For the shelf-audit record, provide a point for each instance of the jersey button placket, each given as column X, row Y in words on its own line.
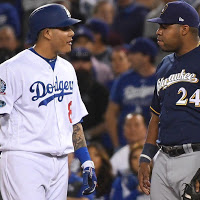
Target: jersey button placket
column 57, row 109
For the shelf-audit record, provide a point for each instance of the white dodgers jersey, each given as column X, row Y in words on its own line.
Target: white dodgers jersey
column 39, row 105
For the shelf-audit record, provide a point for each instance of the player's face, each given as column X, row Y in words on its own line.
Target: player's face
column 169, row 37
column 134, row 128
column 61, row 40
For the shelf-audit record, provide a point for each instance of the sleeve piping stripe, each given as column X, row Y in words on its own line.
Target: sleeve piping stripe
column 145, row 156
column 154, row 111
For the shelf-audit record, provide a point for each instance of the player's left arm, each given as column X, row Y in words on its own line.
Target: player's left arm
column 81, row 152
column 78, row 137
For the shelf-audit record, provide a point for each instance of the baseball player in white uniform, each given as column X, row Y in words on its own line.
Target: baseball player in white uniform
column 41, row 113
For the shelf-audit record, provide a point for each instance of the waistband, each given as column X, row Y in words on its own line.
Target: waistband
column 178, row 150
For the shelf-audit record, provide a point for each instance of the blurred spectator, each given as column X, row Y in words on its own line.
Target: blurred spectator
column 133, row 90
column 8, row 39
column 150, row 4
column 104, row 10
column 101, row 50
column 75, row 10
column 87, row 7
column 119, row 63
column 65, row 3
column 196, row 5
column 5, row 54
column 129, row 20
column 149, row 28
column 134, row 132
column 103, row 171
column 94, row 95
column 9, row 16
column 84, row 38
column 126, row 186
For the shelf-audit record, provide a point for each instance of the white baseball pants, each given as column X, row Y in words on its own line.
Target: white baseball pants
column 33, row 176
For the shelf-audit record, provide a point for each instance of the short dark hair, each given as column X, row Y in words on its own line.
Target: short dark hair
column 194, row 31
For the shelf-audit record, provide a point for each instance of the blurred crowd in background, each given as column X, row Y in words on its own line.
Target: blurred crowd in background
column 115, row 55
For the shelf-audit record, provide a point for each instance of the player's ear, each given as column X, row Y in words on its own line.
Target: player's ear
column 185, row 29
column 47, row 33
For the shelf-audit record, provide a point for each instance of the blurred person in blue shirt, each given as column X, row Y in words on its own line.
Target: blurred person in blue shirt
column 133, row 90
column 126, row 186
column 119, row 63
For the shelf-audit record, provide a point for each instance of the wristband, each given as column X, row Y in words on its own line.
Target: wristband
column 82, row 154
column 88, row 163
column 148, row 152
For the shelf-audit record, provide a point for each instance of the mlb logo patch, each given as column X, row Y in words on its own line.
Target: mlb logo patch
column 2, row 87
column 2, row 104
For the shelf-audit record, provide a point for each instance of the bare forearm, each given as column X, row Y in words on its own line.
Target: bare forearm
column 152, row 134
column 78, row 137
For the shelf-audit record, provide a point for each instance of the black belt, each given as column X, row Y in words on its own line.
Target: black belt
column 174, row 151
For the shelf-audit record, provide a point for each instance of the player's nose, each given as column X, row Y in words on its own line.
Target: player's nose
column 159, row 31
column 71, row 33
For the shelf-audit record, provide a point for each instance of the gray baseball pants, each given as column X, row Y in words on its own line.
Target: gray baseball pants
column 171, row 173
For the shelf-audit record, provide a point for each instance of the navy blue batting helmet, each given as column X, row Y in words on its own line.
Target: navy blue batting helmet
column 49, row 16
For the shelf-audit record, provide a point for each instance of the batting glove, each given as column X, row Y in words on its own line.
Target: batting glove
column 89, row 180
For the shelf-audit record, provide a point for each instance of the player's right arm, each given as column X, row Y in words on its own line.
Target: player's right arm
column 144, row 167
column 111, row 122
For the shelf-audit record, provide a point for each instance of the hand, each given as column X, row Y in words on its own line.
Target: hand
column 89, row 180
column 143, row 176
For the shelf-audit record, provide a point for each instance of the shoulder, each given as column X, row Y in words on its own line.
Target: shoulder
column 166, row 62
column 17, row 61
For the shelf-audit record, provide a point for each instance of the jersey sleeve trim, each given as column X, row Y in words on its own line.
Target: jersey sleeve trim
column 157, row 113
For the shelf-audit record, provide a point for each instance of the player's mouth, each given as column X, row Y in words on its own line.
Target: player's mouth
column 159, row 41
column 70, row 42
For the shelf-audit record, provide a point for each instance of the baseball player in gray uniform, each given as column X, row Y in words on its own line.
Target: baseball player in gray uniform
column 41, row 113
column 175, row 107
